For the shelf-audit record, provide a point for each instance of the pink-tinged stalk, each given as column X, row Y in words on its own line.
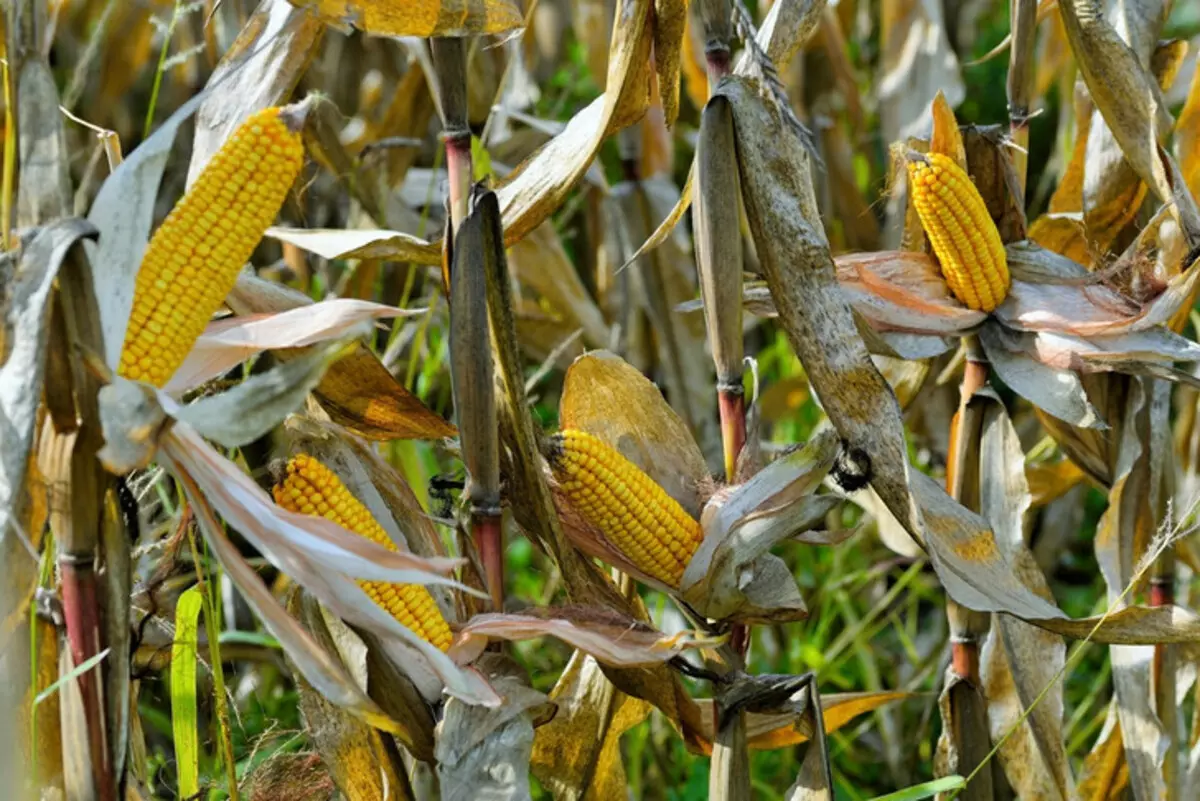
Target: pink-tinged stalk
column 459, row 169
column 81, row 606
column 489, row 542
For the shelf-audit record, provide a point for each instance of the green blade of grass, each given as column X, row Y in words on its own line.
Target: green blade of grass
column 925, row 790
column 183, row 692
column 75, row 673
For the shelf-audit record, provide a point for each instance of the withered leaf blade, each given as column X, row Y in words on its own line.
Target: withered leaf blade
column 249, row 410
column 606, row 635
column 1058, row 391
column 787, row 27
column 1019, row 662
column 350, row 243
column 24, row 360
column 1129, row 100
column 227, row 343
column 422, row 18
column 964, row 716
column 44, row 190
column 357, row 391
column 540, row 185
column 260, row 69
column 666, row 278
column 670, row 19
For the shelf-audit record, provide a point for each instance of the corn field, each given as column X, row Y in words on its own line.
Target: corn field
column 600, row 399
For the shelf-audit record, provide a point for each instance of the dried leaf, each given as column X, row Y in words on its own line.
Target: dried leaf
column 423, row 18
column 354, row 753
column 312, row 661
column 27, row 323
column 357, row 391
column 670, row 17
column 226, row 343
column 605, row 635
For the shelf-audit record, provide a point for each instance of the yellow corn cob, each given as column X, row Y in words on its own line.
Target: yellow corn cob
column 960, row 230
column 312, row 489
column 194, row 257
column 635, row 514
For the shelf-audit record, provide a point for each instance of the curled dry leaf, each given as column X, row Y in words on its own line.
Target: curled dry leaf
column 354, row 752
column 357, row 391
column 605, row 635
column 226, row 343
column 1019, row 662
column 767, row 731
column 1130, row 102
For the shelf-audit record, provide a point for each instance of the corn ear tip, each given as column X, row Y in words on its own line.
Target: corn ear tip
column 295, row 115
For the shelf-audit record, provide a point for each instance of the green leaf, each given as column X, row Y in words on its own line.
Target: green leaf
column 75, row 673
column 481, row 159
column 183, row 692
column 926, row 790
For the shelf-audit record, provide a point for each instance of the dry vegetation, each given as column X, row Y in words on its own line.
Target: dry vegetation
column 600, row 399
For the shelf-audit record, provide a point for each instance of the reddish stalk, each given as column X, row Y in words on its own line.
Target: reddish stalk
column 459, row 169
column 81, row 606
column 489, row 542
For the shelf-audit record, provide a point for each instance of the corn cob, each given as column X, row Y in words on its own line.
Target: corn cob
column 961, row 231
column 194, row 257
column 636, row 515
column 312, row 489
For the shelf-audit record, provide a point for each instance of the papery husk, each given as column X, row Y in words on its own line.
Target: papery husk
column 485, row 751
column 732, row 576
column 716, row 214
